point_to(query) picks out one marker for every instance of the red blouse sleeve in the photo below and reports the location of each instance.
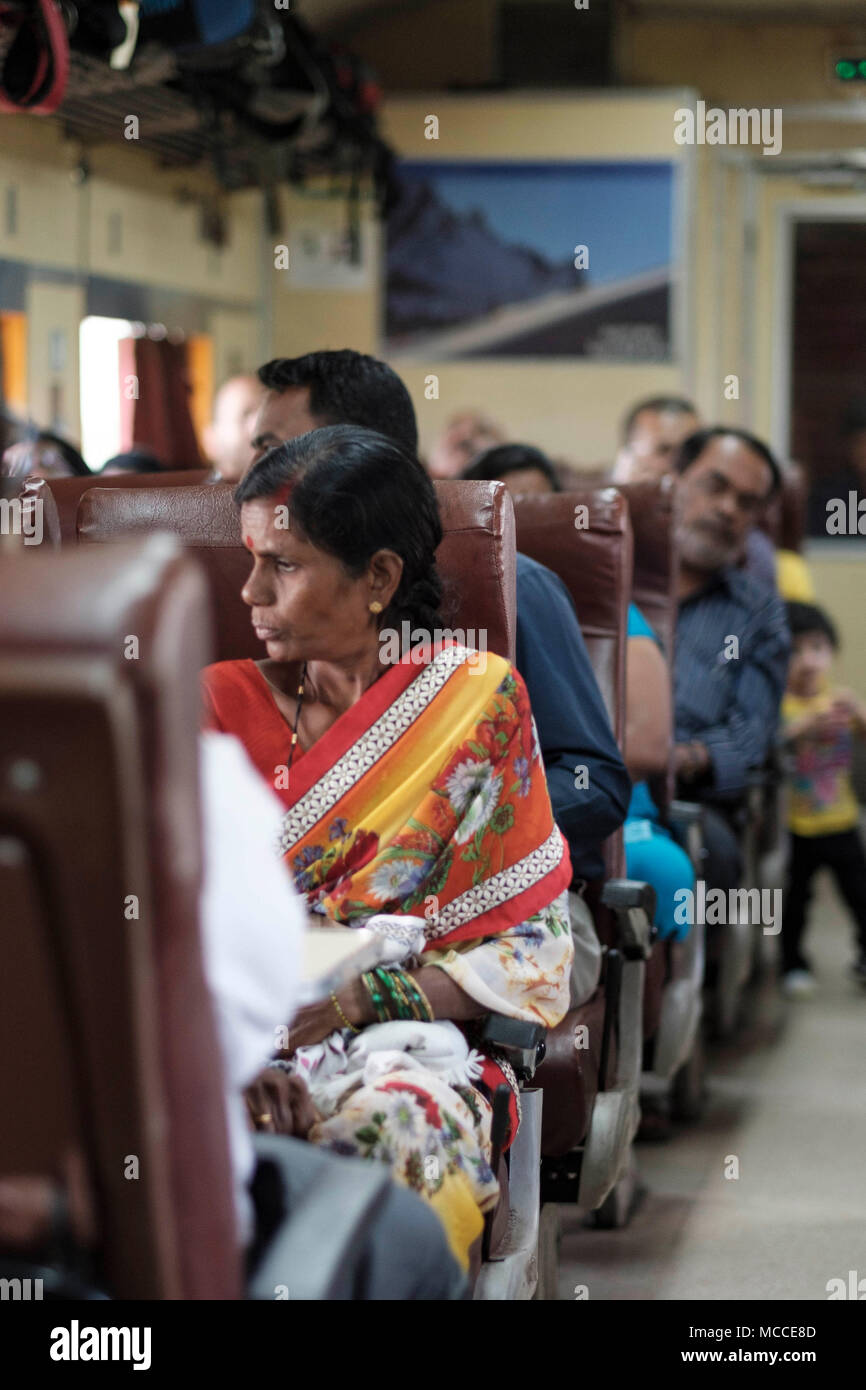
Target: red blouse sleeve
(236, 700)
(213, 686)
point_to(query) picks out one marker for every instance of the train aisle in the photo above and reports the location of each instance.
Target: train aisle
(788, 1103)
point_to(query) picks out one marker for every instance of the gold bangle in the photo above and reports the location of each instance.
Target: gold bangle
(402, 994)
(425, 1001)
(336, 1003)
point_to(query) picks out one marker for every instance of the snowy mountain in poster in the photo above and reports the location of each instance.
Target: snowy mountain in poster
(481, 261)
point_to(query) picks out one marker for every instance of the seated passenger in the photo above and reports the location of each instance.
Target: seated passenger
(133, 461)
(521, 467)
(227, 438)
(653, 432)
(732, 637)
(45, 455)
(331, 388)
(573, 728)
(465, 436)
(346, 387)
(651, 853)
(252, 925)
(415, 803)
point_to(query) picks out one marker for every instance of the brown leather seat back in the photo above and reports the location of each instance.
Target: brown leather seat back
(653, 511)
(591, 551)
(586, 538)
(476, 557)
(106, 1026)
(68, 492)
(478, 561)
(784, 517)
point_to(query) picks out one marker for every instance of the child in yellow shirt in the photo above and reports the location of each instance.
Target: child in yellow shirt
(819, 724)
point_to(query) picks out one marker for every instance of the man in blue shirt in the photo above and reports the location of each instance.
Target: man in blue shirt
(573, 726)
(732, 637)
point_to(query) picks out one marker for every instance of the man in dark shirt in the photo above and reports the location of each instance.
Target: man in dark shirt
(574, 732)
(732, 637)
(573, 726)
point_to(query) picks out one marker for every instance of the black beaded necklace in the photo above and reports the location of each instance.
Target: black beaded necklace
(297, 719)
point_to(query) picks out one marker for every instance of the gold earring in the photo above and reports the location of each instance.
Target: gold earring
(375, 606)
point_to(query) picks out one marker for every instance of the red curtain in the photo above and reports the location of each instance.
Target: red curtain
(155, 401)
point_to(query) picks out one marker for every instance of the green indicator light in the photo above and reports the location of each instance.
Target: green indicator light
(861, 67)
(846, 69)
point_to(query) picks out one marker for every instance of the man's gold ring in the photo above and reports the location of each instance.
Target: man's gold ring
(264, 1119)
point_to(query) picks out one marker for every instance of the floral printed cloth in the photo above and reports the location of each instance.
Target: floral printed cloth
(426, 799)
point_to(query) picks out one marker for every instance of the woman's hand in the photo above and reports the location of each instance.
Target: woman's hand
(279, 1103)
(311, 1024)
(317, 1021)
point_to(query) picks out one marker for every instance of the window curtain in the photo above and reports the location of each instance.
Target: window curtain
(155, 398)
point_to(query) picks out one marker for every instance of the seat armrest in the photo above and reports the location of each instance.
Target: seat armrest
(685, 813)
(522, 1042)
(685, 819)
(633, 903)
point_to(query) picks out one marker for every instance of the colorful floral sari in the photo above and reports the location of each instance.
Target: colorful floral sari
(427, 799)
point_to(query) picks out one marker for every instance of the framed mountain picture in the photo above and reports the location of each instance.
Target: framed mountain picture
(531, 260)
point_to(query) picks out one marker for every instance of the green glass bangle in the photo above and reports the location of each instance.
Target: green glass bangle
(423, 1012)
(405, 988)
(401, 1006)
(369, 982)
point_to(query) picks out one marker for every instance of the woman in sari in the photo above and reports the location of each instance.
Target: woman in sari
(415, 804)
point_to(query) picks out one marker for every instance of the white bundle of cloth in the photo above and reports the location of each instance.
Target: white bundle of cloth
(332, 1070)
(343, 1063)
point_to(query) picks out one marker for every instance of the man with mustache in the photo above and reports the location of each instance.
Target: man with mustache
(732, 636)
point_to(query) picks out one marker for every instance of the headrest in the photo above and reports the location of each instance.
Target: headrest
(653, 512)
(476, 557)
(586, 539)
(68, 492)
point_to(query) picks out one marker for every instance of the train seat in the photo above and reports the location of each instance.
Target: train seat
(477, 560)
(591, 1107)
(68, 492)
(673, 1012)
(106, 1022)
(476, 557)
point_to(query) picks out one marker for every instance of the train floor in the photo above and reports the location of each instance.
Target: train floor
(787, 1101)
